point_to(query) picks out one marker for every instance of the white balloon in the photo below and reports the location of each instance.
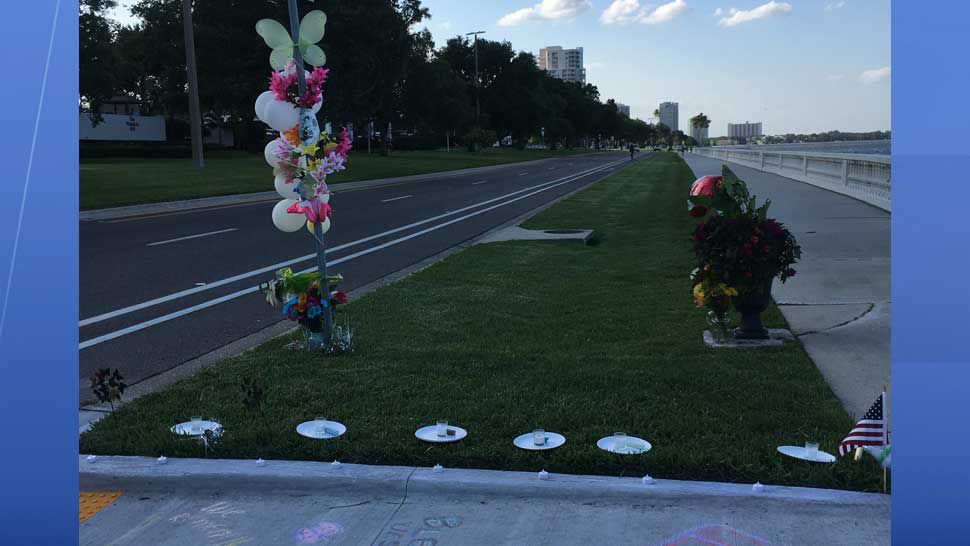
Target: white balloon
(286, 189)
(281, 116)
(261, 101)
(325, 226)
(285, 221)
(269, 153)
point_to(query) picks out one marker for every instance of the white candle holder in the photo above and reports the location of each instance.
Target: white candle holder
(260, 462)
(648, 480)
(162, 460)
(543, 475)
(438, 469)
(758, 487)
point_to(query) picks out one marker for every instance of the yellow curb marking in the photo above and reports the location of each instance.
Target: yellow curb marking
(92, 502)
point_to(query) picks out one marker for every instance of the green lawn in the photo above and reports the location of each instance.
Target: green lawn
(118, 182)
(507, 337)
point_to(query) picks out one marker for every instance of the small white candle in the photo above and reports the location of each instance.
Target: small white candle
(335, 463)
(260, 462)
(163, 459)
(648, 480)
(757, 487)
(92, 458)
(438, 469)
(543, 475)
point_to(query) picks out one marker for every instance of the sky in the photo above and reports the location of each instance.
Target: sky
(799, 66)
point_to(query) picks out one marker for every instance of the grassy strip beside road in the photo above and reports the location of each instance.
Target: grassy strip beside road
(118, 182)
(507, 337)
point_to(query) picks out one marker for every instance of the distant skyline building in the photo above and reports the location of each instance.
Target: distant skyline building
(744, 130)
(669, 115)
(565, 64)
(623, 109)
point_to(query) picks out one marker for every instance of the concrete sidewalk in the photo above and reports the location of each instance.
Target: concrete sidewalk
(838, 304)
(223, 503)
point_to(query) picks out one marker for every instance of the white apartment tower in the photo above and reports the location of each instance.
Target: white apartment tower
(565, 64)
(623, 109)
(669, 115)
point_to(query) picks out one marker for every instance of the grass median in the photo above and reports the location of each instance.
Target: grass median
(125, 181)
(507, 337)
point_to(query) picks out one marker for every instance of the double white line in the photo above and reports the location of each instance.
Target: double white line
(518, 195)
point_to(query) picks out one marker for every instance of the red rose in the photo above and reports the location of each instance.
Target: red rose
(338, 297)
(754, 240)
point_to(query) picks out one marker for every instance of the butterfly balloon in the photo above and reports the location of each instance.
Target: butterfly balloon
(279, 40)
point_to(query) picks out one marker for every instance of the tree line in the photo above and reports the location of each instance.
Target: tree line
(385, 72)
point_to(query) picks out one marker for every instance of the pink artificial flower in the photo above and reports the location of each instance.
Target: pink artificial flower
(314, 209)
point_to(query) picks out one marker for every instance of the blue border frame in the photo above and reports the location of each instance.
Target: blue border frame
(931, 265)
(39, 271)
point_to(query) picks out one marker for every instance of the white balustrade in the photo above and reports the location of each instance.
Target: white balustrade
(864, 177)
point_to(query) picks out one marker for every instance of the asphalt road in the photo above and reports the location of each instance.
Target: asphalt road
(159, 290)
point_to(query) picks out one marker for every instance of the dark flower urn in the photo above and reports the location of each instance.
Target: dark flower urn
(750, 305)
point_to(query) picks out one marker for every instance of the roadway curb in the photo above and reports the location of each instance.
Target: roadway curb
(222, 475)
(219, 201)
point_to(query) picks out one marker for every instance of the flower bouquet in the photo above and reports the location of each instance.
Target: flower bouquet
(303, 301)
(740, 249)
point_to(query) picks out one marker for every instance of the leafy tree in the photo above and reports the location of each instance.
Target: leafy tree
(96, 54)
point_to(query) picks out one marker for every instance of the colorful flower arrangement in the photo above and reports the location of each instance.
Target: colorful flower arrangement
(301, 298)
(739, 250)
(285, 87)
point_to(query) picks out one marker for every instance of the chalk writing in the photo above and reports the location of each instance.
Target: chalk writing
(714, 535)
(217, 532)
(425, 533)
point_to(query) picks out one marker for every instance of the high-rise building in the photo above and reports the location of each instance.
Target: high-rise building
(744, 130)
(669, 112)
(623, 109)
(565, 64)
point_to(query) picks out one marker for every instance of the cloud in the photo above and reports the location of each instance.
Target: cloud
(770, 9)
(718, 12)
(831, 6)
(545, 10)
(834, 77)
(874, 75)
(666, 12)
(621, 12)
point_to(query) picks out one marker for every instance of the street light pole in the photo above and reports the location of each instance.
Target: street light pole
(192, 77)
(319, 244)
(478, 108)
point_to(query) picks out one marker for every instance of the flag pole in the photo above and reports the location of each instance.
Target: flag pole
(885, 467)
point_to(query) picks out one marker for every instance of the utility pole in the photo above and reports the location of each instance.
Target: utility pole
(319, 243)
(195, 114)
(478, 108)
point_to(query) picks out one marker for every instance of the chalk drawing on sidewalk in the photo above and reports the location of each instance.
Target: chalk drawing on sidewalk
(425, 533)
(714, 535)
(209, 521)
(317, 533)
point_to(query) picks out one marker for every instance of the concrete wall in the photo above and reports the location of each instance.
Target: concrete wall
(864, 177)
(121, 127)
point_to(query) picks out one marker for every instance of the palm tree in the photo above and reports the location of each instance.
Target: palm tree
(700, 121)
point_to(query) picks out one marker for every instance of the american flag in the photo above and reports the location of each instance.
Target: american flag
(869, 431)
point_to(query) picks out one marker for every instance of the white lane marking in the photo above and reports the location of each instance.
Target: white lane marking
(186, 238)
(342, 259)
(551, 168)
(274, 267)
(479, 182)
(523, 174)
(395, 198)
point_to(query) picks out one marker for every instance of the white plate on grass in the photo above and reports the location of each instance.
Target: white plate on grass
(430, 434)
(185, 429)
(800, 453)
(627, 445)
(312, 429)
(553, 441)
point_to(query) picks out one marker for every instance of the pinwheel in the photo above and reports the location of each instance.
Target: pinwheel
(279, 40)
